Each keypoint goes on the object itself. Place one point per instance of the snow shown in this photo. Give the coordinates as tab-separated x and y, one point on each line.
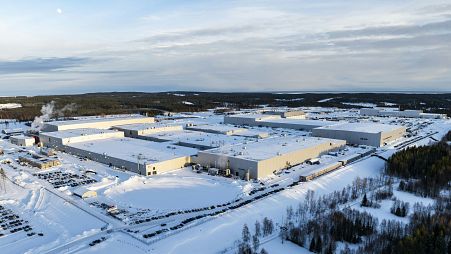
367	127
173	192
360	104
129	149
187	103
326	100
10	105
270	147
276	246
197	138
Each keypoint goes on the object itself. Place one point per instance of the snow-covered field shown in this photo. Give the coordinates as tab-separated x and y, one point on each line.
173	192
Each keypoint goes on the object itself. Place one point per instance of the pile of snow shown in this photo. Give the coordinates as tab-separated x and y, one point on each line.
326	100
10	105
173	192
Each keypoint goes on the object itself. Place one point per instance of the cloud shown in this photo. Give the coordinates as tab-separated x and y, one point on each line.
41	65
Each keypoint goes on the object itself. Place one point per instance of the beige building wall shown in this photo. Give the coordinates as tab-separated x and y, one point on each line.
263	168
361	138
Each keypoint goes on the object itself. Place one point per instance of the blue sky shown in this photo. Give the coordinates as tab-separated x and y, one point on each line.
50	47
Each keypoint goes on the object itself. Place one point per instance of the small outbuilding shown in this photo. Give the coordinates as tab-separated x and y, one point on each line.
22	140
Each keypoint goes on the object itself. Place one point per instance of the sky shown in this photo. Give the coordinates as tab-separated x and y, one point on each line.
57	47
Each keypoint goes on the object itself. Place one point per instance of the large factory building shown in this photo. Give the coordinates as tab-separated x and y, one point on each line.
371	134
99	122
112	148
259	159
275	121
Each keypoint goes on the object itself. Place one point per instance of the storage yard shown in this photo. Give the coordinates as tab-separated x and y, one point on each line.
132	179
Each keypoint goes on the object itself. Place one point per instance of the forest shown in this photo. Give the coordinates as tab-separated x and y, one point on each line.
425	170
155	103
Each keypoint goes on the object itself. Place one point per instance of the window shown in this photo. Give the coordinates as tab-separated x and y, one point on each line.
154	172
149	173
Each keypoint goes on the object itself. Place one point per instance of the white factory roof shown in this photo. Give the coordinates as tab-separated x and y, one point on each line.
301	121
144	126
368	127
76	132
96	119
255	116
217	127
129	149
21	137
198	138
270	147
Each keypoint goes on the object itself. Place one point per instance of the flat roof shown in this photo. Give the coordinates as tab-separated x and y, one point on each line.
76	133
21	137
270	147
144	126
97	119
367	127
217	127
130	149
254	116
198	138
301	121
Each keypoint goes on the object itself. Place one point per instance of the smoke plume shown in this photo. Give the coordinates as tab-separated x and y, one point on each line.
48	111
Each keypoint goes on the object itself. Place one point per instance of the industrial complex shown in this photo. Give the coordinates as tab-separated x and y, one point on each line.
259	159
371	134
148	178
100	122
239	147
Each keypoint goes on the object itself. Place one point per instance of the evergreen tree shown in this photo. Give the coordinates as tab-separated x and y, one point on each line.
246	235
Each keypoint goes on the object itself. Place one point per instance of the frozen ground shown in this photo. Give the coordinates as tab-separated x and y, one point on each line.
174	192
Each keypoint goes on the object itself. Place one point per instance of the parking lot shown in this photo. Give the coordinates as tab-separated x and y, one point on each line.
11	223
61	179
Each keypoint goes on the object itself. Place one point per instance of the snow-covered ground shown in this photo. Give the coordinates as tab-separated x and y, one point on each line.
174	192
10	105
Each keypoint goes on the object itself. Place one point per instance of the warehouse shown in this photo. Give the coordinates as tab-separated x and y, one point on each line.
371	134
255	160
136	130
216	128
248	119
195	139
275	121
22	140
97	122
298	114
395	112
60	138
139	156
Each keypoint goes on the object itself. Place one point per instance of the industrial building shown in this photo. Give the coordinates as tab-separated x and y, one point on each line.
255	160
22	140
41	162
60	138
275	121
136	130
216	128
139	156
99	122
395	112
298	114
195	139
371	134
